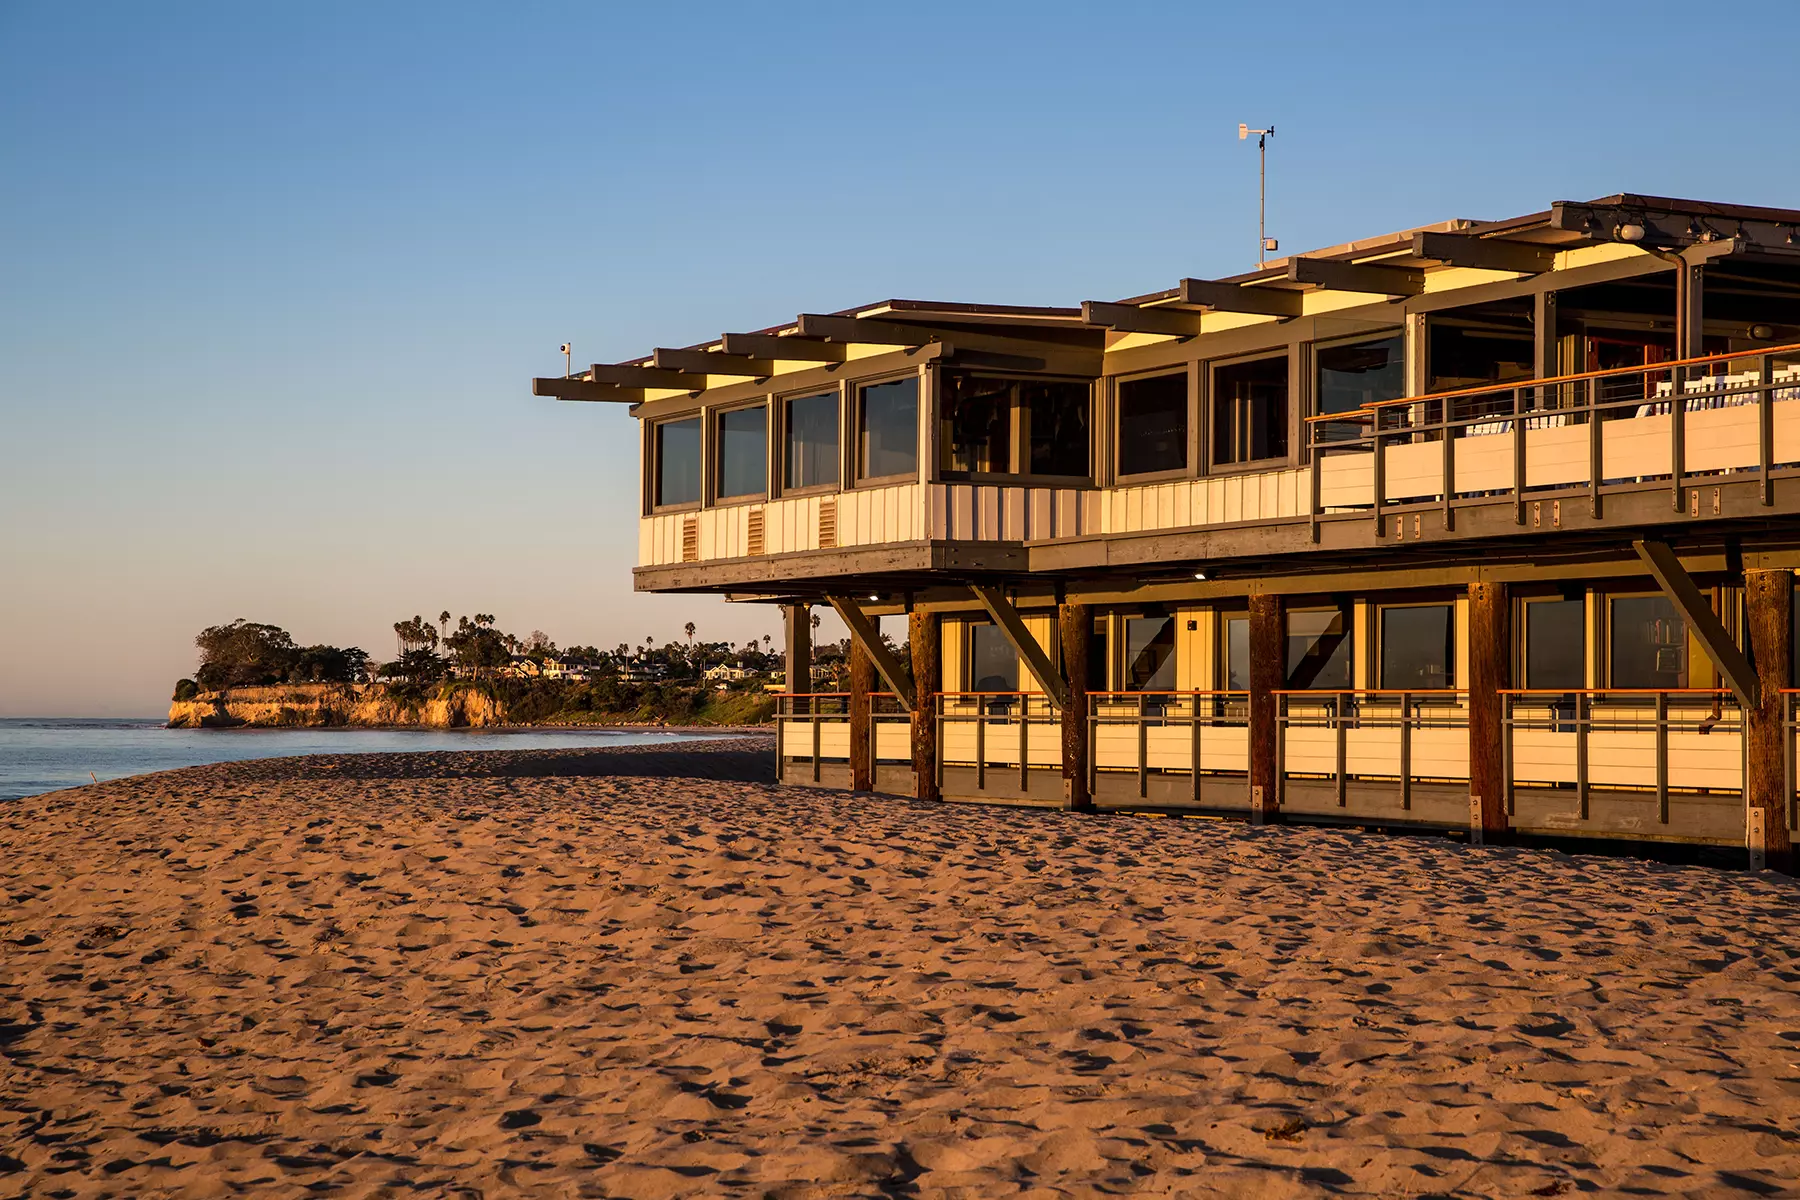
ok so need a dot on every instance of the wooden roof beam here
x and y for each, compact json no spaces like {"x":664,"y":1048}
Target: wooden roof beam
{"x":645,"y":377}
{"x":1357,"y":277}
{"x":700,"y":362}
{"x":582,"y":389}
{"x":1488,"y":254}
{"x":1236,"y":298}
{"x":1129,"y":318}
{"x":849,"y":330}
{"x":792,"y":349}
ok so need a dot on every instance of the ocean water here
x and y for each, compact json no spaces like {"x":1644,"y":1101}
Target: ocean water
{"x":42,"y":754}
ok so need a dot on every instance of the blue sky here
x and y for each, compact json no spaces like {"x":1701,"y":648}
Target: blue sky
{"x":273,"y":280}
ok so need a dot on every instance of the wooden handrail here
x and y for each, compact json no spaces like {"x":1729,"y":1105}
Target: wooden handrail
{"x":1196,"y":692}
{"x":1514,"y":384}
{"x":1614,"y":691}
{"x":1368,"y":691}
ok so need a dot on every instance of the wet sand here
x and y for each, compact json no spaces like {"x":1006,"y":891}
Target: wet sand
{"x":649,"y":972}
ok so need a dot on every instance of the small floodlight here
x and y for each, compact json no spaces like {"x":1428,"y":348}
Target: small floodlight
{"x":1200,"y":575}
{"x":568,"y":364}
{"x":1271,"y":245}
{"x":1631,"y":232}
{"x":1243,"y":132}
{"x":1762,"y":333}
{"x":873,"y":599}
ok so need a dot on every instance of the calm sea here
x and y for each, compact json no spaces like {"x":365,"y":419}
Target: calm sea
{"x":41,"y":754}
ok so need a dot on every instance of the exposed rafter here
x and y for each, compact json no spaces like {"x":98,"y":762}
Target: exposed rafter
{"x":1357,"y":277}
{"x":645,"y":377}
{"x":1236,"y":298}
{"x":793,"y":349}
{"x":862,"y":329}
{"x":700,"y":362}
{"x":1490,"y":254}
{"x":581,"y":389}
{"x":1129,"y":318}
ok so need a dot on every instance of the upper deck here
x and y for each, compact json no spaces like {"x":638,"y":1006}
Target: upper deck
{"x":1469,"y":390}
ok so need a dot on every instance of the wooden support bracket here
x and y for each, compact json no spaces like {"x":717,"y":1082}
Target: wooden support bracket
{"x":1685,"y":595}
{"x":863,"y":630}
{"x":1013,"y":625}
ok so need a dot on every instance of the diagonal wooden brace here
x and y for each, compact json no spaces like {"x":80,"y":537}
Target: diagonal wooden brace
{"x":863,"y":630}
{"x":1036,"y":661}
{"x":1685,"y":595}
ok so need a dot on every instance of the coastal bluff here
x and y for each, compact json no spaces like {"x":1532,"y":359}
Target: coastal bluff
{"x":322,"y":705}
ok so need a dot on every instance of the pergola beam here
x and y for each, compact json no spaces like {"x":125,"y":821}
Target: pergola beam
{"x":700,"y":362}
{"x":1129,"y":318}
{"x":1357,"y":277}
{"x":1236,"y":298}
{"x":645,"y":377}
{"x":1489,"y":254}
{"x":1013,"y":626}
{"x":792,"y":349}
{"x":869,"y":638}
{"x":582,"y":389}
{"x":849,"y":330}
{"x":1685,"y":595}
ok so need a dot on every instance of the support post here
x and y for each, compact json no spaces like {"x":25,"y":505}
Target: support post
{"x":1490,"y":671}
{"x":1769,"y":610}
{"x":798,"y":619}
{"x":1077,"y":625}
{"x":862,"y":682}
{"x":922,"y":635}
{"x":1267,"y":672}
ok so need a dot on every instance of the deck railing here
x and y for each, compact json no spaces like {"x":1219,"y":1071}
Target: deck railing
{"x":1168,"y":732}
{"x":1623,"y":740}
{"x":811,"y":726}
{"x":1368,"y":734}
{"x":1583,"y":433}
{"x":1790,"y":729}
{"x":986,"y":729}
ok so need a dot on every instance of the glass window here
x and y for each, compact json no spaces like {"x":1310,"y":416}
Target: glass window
{"x":1056,"y":414}
{"x":1318,"y":650}
{"x":1361,"y":373}
{"x":1153,"y":424}
{"x":812,"y":440}
{"x":1250,"y":409}
{"x":1418,"y":647}
{"x":977,"y":423}
{"x":1150,"y":654}
{"x":1467,"y":353}
{"x":1556,"y":644}
{"x":1647,"y":643}
{"x":1235,"y":673}
{"x":993,"y":664}
{"x":743,"y":452}
{"x":678,"y":462}
{"x":888,"y":429}
{"x":1099,"y":641}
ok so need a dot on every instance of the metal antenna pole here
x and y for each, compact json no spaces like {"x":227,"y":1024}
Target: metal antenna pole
{"x":1262,"y":199}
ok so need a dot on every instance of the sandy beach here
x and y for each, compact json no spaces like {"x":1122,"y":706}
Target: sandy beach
{"x":644,"y":973}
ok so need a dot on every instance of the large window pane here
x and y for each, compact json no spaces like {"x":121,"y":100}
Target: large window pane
{"x":812,"y":440}
{"x":1556,"y":644}
{"x":1150,"y":654}
{"x":678,"y":462}
{"x":1235,"y":677}
{"x":1250,"y":410}
{"x":743,"y":452}
{"x":1361,"y":373}
{"x":888,"y":418}
{"x":1647,"y":643}
{"x":1056,"y":413}
{"x":1318,"y":650}
{"x":1153,"y":424}
{"x":977,"y":422}
{"x":1418,"y":649}
{"x":993,"y":664}
{"x":1099,"y":643}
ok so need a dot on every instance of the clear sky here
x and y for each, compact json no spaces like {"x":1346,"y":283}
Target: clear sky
{"x":274,"y":279}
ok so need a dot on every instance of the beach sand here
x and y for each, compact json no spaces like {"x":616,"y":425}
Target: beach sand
{"x":645,"y":973}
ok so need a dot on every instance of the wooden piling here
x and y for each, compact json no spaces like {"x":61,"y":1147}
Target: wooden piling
{"x":1268,"y":672}
{"x":928,"y":670}
{"x":1077,"y":624}
{"x":1769,"y":612}
{"x":798,"y":618}
{"x":862,"y":682}
{"x":1490,"y":671}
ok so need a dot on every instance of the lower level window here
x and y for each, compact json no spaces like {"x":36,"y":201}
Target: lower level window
{"x":1418,"y":647}
{"x":1234,"y":673}
{"x":1556,"y":644}
{"x":993,"y":663}
{"x":1647,"y":643}
{"x":1150,"y":654}
{"x":1318,"y":650}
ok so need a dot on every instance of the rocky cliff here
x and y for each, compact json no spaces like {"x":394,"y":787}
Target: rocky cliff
{"x":310,"y":705}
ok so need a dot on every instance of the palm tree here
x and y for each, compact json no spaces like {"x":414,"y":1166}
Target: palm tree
{"x":444,"y":620}
{"x":690,"y":632}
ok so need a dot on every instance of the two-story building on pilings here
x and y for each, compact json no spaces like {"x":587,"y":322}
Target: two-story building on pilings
{"x":1486,"y":525}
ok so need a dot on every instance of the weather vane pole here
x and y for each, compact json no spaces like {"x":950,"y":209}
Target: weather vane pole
{"x":1264,"y":243}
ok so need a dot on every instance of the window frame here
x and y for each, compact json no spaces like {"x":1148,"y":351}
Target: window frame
{"x":780,"y":402}
{"x":1191,"y":451}
{"x":1378,"y":649}
{"x":653,"y":454}
{"x":1122,"y":664}
{"x":1222,"y":619}
{"x":968,"y":672}
{"x":1314,"y":392}
{"x":1522,"y":637}
{"x":1018,"y":450}
{"x":1348,"y":614}
{"x":1209,"y":389}
{"x":852,"y":421}
{"x":713,"y":448}
{"x":1604,"y":641}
